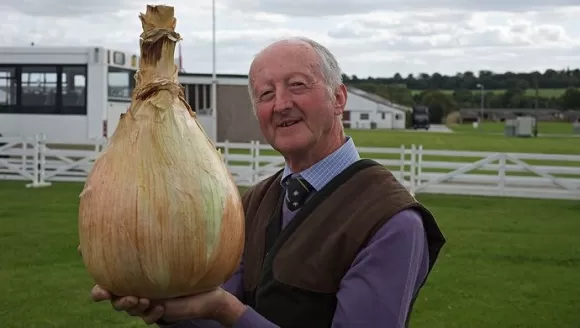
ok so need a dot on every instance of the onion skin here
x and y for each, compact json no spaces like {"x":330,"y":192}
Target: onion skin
{"x":160,"y":215}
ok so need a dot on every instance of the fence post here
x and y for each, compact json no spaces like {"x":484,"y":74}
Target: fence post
{"x":402,"y":164}
{"x":43,"y":161}
{"x":36,"y":162}
{"x":24,"y":157}
{"x":419,"y":165}
{"x":501,"y":173}
{"x":412,"y":172}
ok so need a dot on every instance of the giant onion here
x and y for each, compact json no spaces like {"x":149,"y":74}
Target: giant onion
{"x":160,"y":215}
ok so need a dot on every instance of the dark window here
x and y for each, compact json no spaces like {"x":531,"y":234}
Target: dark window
{"x":74,"y":89}
{"x":207,"y":97}
{"x":8,"y":86}
{"x":121,"y":83}
{"x":192,"y":96}
{"x":39,"y":89}
{"x":43,"y":89}
{"x":199,"y":98}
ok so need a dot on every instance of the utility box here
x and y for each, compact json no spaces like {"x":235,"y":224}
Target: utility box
{"x":525,"y":126}
{"x":576,"y":128}
{"x":510,"y":128}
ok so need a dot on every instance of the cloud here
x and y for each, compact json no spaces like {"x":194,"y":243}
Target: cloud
{"x":319,"y":8}
{"x":55,"y":8}
{"x":369,"y":37}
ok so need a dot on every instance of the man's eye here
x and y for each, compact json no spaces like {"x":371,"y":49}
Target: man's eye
{"x":265,"y":93}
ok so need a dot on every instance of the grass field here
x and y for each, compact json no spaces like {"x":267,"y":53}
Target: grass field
{"x":547,"y":93}
{"x":508,"y":263}
{"x":470,"y":140}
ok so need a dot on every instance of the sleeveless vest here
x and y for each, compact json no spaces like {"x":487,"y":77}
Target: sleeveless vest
{"x":291,"y":276}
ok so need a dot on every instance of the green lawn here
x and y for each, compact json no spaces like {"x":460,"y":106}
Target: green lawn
{"x":471,"y":141}
{"x":508,"y":263}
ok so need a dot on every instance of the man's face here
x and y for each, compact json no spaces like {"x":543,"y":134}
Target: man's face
{"x":294,"y":109}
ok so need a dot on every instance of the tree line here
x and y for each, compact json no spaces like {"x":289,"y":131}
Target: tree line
{"x":550,"y":79}
{"x":553,"y":89}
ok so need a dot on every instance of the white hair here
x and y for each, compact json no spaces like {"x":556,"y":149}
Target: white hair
{"x":331,"y":72}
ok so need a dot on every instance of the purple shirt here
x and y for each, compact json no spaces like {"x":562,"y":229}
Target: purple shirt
{"x":378,"y":288}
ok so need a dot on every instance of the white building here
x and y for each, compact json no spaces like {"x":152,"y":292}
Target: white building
{"x":366,"y":110}
{"x":78,"y":93}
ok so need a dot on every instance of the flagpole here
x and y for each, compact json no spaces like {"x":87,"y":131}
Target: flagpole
{"x":214,"y":76}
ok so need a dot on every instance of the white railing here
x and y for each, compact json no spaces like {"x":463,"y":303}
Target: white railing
{"x":42,"y":161}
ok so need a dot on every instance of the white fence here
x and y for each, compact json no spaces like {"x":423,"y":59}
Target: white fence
{"x":42,"y":161}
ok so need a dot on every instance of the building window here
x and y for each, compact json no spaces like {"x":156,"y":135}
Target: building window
{"x":39,"y":87}
{"x":8,"y":86}
{"x":199,"y":98}
{"x":43,"y":89}
{"x":364,"y":116}
{"x":74,"y":89}
{"x":120,"y":83}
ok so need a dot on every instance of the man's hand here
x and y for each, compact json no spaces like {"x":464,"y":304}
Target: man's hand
{"x":216,"y":304}
{"x":134,"y":306}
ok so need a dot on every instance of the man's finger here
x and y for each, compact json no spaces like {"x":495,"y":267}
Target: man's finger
{"x":153,"y":315}
{"x":140,"y":309}
{"x":79,"y":251}
{"x":125,"y":303}
{"x":99,"y":294}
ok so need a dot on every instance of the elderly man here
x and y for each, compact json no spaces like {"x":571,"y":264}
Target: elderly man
{"x":332,"y":240}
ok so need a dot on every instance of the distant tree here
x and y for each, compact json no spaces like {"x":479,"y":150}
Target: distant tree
{"x":549,"y":89}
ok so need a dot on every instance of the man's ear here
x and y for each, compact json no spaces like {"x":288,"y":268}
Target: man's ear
{"x":340,"y":98}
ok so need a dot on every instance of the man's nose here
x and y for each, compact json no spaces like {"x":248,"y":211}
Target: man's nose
{"x":283,"y":101}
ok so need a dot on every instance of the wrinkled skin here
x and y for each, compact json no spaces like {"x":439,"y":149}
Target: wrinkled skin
{"x":288,"y":86}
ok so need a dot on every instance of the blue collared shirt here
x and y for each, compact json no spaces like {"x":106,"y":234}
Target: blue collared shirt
{"x":319,"y":174}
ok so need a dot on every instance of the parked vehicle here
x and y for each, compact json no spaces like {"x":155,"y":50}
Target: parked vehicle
{"x":421,"y":118}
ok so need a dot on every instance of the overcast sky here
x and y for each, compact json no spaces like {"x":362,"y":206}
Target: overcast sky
{"x":369,"y":37}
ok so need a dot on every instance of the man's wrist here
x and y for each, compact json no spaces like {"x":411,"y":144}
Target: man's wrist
{"x":230,"y":311}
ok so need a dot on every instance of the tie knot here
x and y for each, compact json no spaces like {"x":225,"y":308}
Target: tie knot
{"x":297,"y":191}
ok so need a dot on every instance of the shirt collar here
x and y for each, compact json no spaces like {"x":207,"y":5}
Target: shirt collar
{"x":319,"y":174}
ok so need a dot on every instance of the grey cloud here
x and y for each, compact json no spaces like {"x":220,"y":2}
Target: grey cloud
{"x":350,"y":32}
{"x":366,"y":44}
{"x":412,"y":24}
{"x":495,"y":59}
{"x":425,"y":30}
{"x":348,"y":7}
{"x":55,"y":8}
{"x":90,"y":9}
{"x":402,"y":36}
